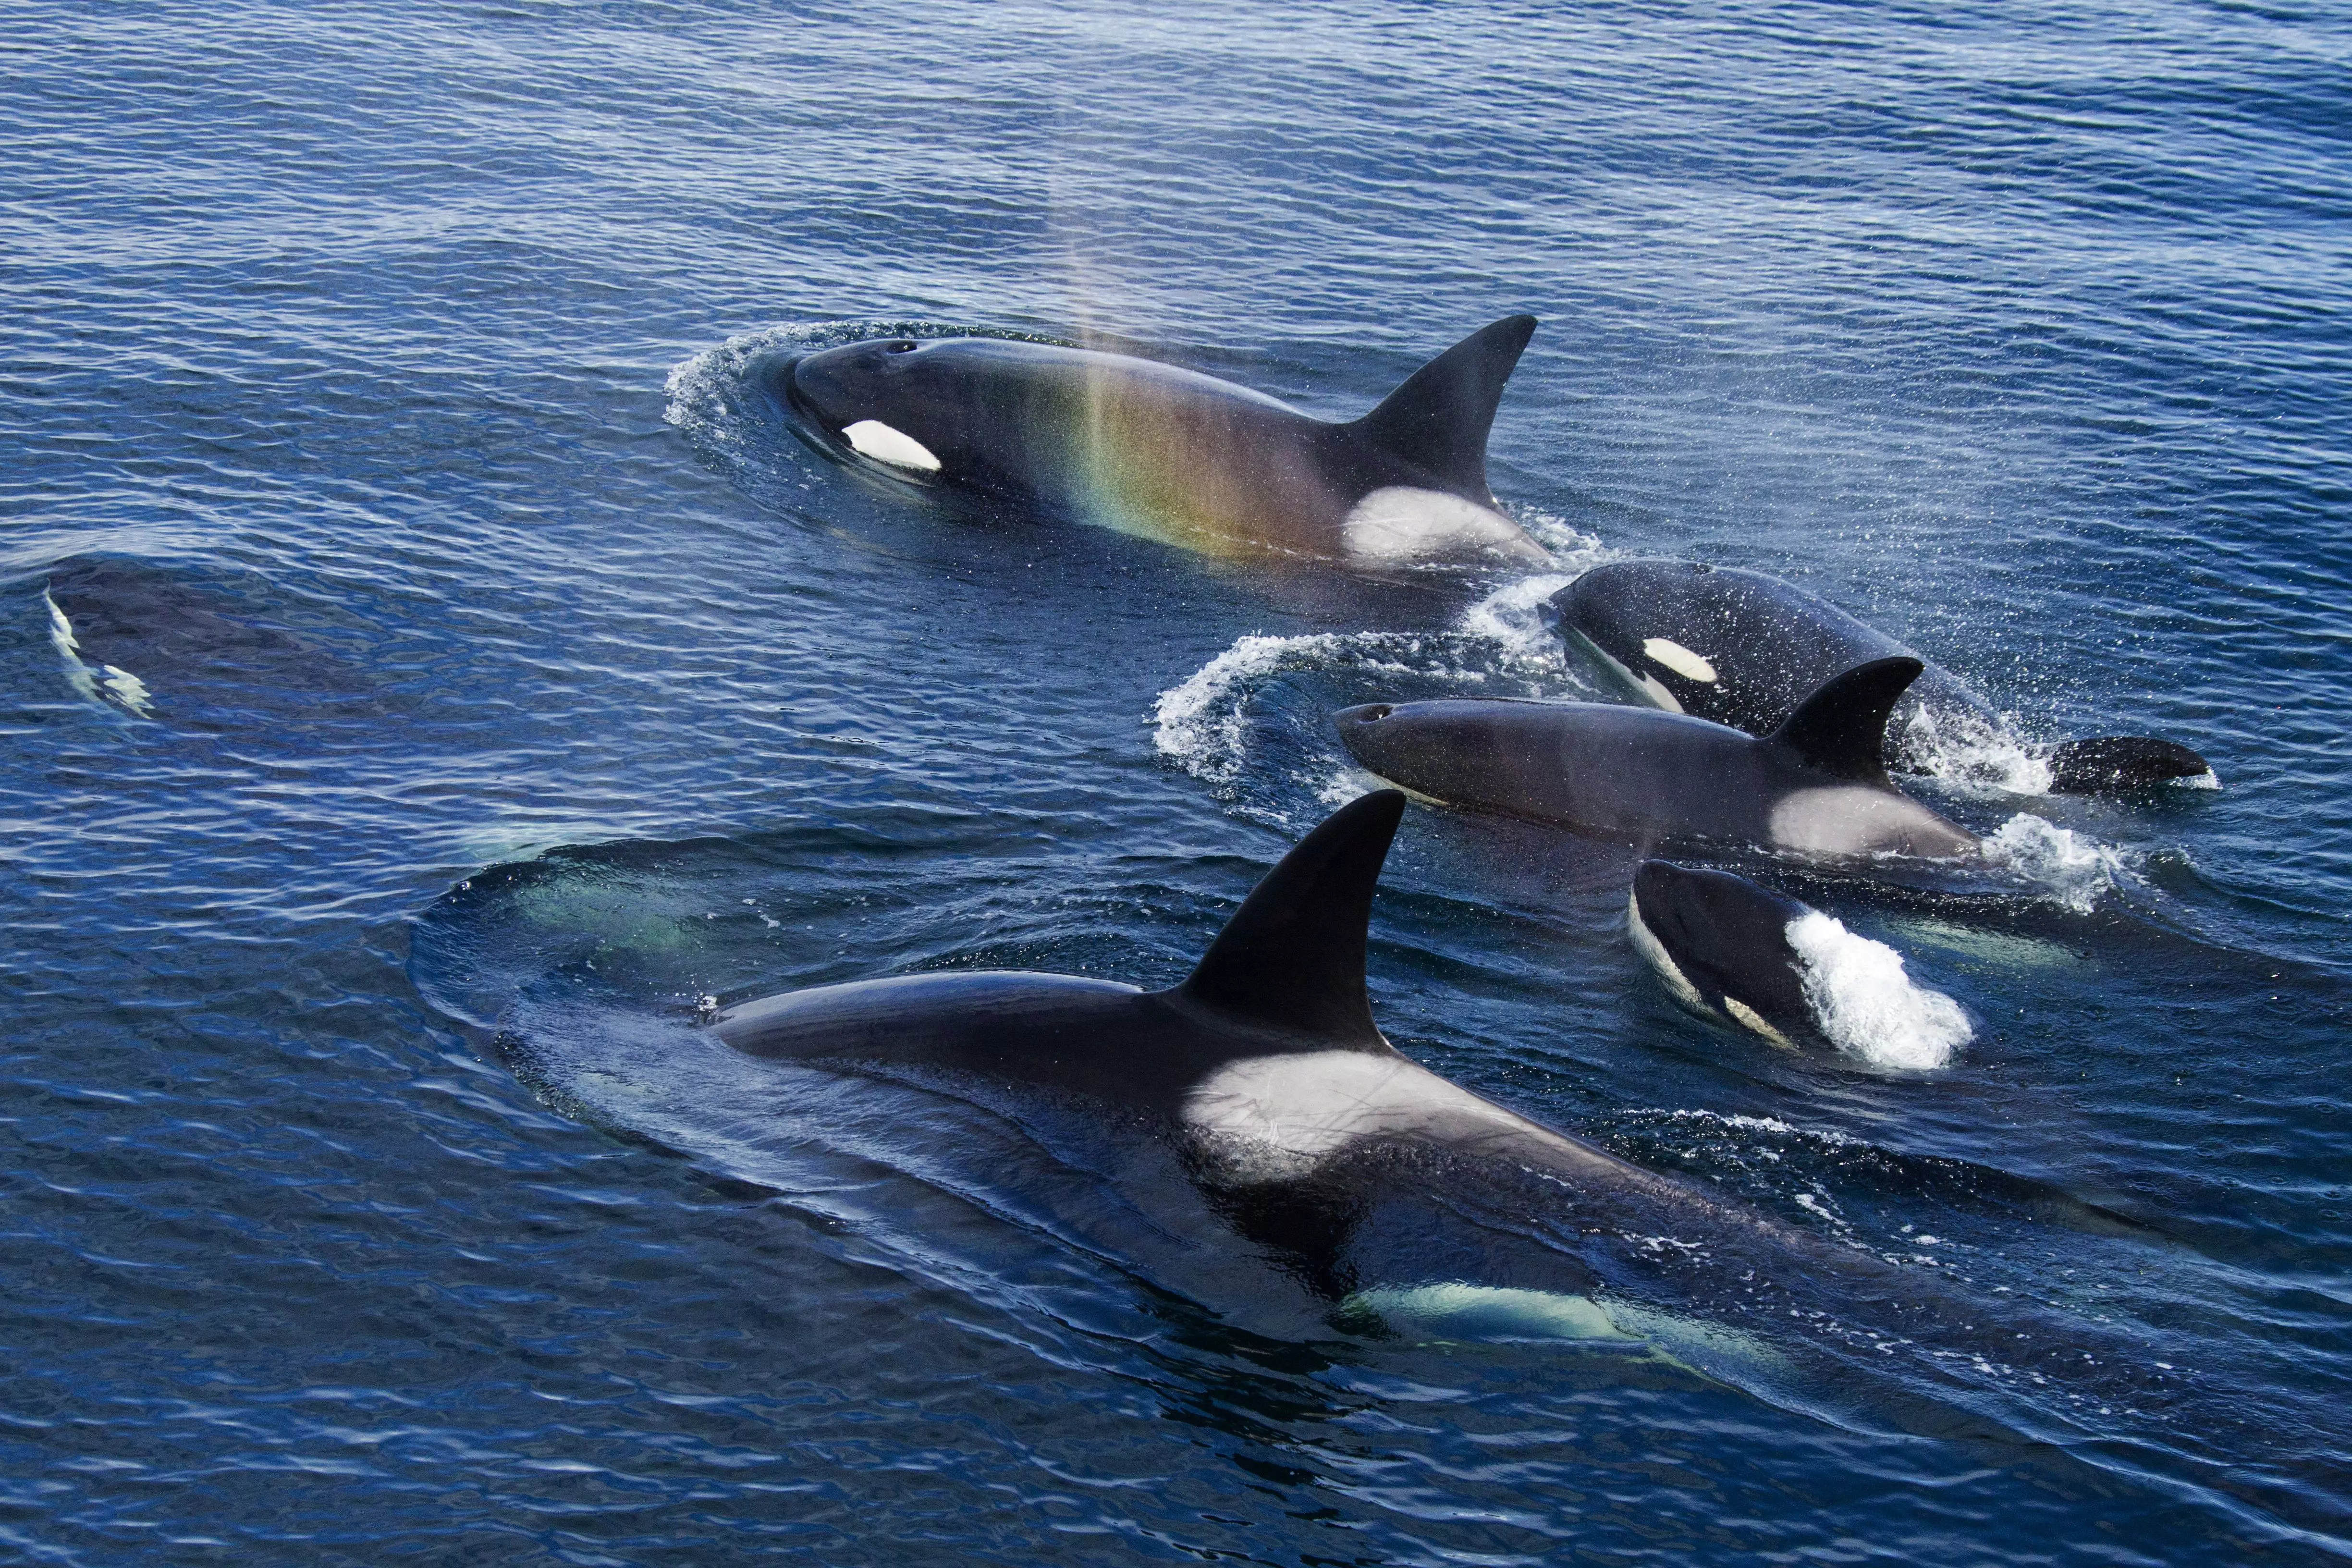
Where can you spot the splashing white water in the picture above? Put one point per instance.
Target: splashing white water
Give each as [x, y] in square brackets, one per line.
[2073, 869]
[1867, 1004]
[1203, 724]
[100, 682]
[1971, 751]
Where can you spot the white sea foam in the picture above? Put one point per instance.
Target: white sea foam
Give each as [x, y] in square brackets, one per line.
[1202, 725]
[100, 682]
[1967, 749]
[1866, 1004]
[2072, 867]
[1512, 617]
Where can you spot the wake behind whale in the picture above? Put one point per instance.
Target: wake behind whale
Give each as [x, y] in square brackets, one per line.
[1207, 1148]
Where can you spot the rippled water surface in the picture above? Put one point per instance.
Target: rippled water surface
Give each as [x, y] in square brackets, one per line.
[432, 669]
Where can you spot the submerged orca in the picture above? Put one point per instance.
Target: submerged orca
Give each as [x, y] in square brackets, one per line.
[1173, 454]
[1741, 647]
[1816, 786]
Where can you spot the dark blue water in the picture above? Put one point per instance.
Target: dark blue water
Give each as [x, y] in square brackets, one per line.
[372, 417]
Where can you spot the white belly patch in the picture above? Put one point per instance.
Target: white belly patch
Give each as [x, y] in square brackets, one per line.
[872, 439]
[1403, 523]
[1266, 1117]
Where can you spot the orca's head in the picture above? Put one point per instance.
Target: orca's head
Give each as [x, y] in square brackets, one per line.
[1615, 605]
[871, 397]
[1393, 740]
[1721, 942]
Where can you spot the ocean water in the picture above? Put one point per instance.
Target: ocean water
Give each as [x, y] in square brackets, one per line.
[432, 671]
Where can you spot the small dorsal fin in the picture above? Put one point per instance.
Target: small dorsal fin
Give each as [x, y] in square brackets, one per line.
[1292, 958]
[1438, 419]
[1841, 728]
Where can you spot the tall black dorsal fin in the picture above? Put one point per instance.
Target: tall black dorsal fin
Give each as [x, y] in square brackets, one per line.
[1438, 419]
[1292, 958]
[1841, 728]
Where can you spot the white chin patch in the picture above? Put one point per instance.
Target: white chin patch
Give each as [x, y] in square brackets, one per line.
[1401, 523]
[1649, 686]
[1653, 953]
[1749, 1018]
[1668, 654]
[1268, 1117]
[872, 439]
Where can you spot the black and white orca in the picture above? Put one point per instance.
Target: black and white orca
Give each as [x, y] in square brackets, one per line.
[1173, 454]
[1816, 786]
[1743, 649]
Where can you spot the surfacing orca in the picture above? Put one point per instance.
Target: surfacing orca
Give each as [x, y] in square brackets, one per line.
[1815, 785]
[1173, 454]
[1742, 954]
[1390, 1192]
[1267, 1060]
[1741, 647]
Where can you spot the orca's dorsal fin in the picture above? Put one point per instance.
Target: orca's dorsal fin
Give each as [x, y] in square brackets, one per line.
[1292, 958]
[1841, 728]
[1438, 419]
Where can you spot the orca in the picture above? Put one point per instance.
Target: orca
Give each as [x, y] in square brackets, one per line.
[1265, 1060]
[1173, 454]
[1741, 647]
[1748, 957]
[1264, 1083]
[1720, 942]
[1817, 786]
[1265, 1069]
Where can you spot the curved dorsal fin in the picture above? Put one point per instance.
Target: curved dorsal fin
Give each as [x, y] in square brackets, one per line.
[1841, 728]
[1292, 958]
[1438, 419]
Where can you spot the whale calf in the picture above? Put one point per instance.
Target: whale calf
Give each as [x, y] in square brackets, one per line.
[1741, 954]
[1742, 648]
[1815, 785]
[1173, 454]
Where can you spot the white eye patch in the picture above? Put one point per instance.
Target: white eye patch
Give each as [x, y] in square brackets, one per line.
[872, 439]
[1670, 654]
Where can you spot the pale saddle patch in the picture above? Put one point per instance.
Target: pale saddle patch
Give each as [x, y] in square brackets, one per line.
[1279, 1115]
[1403, 523]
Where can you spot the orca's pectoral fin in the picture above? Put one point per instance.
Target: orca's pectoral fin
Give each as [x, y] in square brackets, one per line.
[1292, 958]
[1437, 421]
[2120, 765]
[1841, 728]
